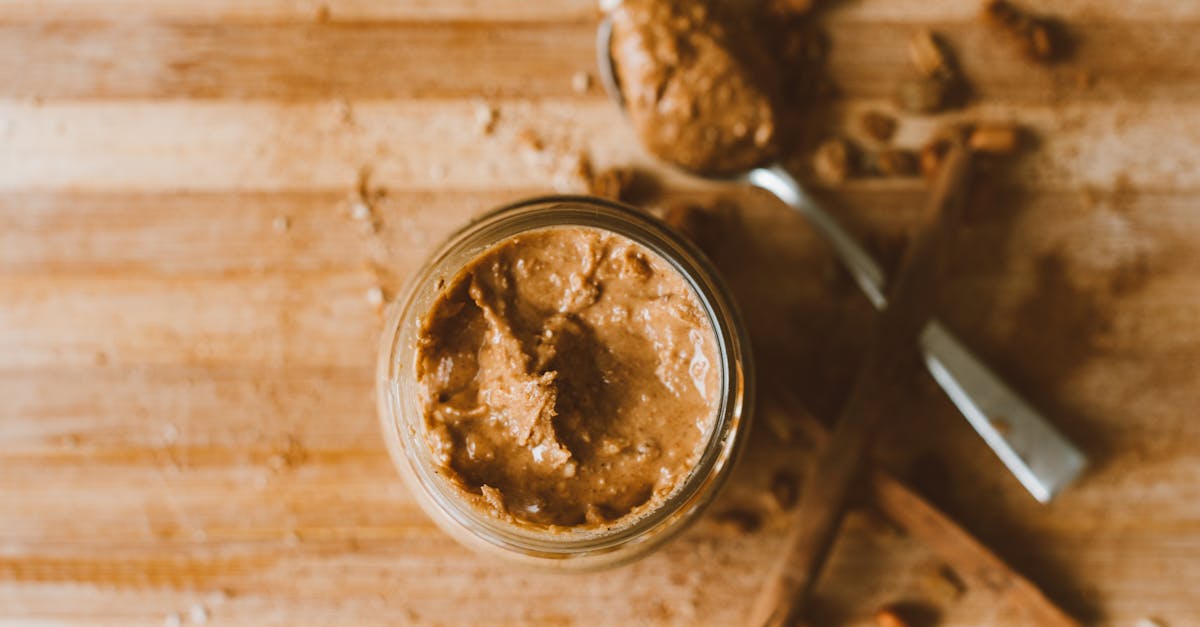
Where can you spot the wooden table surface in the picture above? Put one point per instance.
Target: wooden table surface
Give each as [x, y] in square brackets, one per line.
[187, 426]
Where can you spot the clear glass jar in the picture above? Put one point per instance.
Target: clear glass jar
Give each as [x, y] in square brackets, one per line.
[403, 421]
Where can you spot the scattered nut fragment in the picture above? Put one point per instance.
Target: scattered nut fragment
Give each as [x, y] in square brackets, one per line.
[929, 56]
[703, 225]
[894, 162]
[624, 183]
[581, 82]
[741, 521]
[611, 183]
[879, 126]
[942, 583]
[529, 139]
[375, 296]
[791, 8]
[784, 489]
[931, 157]
[280, 224]
[198, 615]
[1035, 37]
[994, 139]
[831, 161]
[485, 117]
[923, 94]
[887, 617]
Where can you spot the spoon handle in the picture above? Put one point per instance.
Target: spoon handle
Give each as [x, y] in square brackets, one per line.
[1034, 451]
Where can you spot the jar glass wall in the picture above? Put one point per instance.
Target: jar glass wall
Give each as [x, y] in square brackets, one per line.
[402, 415]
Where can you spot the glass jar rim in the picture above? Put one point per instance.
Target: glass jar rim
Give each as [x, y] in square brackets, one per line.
[490, 228]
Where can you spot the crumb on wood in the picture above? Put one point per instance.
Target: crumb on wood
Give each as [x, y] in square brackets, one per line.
[572, 171]
[581, 82]
[345, 111]
[791, 8]
[891, 162]
[739, 521]
[923, 94]
[785, 489]
[705, 225]
[933, 153]
[1038, 39]
[281, 224]
[889, 617]
[529, 139]
[198, 614]
[292, 538]
[628, 184]
[994, 139]
[943, 584]
[485, 117]
[928, 54]
[375, 297]
[878, 126]
[832, 161]
[174, 619]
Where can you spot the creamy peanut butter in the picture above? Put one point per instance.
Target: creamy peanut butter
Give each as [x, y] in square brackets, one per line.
[568, 378]
[699, 91]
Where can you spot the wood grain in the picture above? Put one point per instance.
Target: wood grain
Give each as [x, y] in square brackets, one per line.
[186, 391]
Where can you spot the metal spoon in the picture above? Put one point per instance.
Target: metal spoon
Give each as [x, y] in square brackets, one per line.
[1033, 450]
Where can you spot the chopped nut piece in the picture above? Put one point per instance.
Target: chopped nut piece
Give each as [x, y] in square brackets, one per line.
[280, 224]
[878, 126]
[624, 183]
[922, 95]
[895, 162]
[529, 139]
[742, 521]
[375, 296]
[581, 82]
[791, 7]
[943, 583]
[611, 183]
[995, 139]
[485, 117]
[1036, 37]
[198, 615]
[928, 55]
[702, 225]
[931, 157]
[887, 617]
[784, 489]
[831, 161]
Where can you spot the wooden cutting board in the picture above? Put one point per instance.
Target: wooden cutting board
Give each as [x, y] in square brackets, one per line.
[187, 339]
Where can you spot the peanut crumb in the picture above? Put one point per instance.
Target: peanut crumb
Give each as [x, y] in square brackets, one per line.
[1037, 38]
[581, 82]
[928, 55]
[887, 617]
[784, 489]
[198, 614]
[485, 117]
[831, 161]
[375, 296]
[878, 126]
[740, 521]
[281, 224]
[994, 139]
